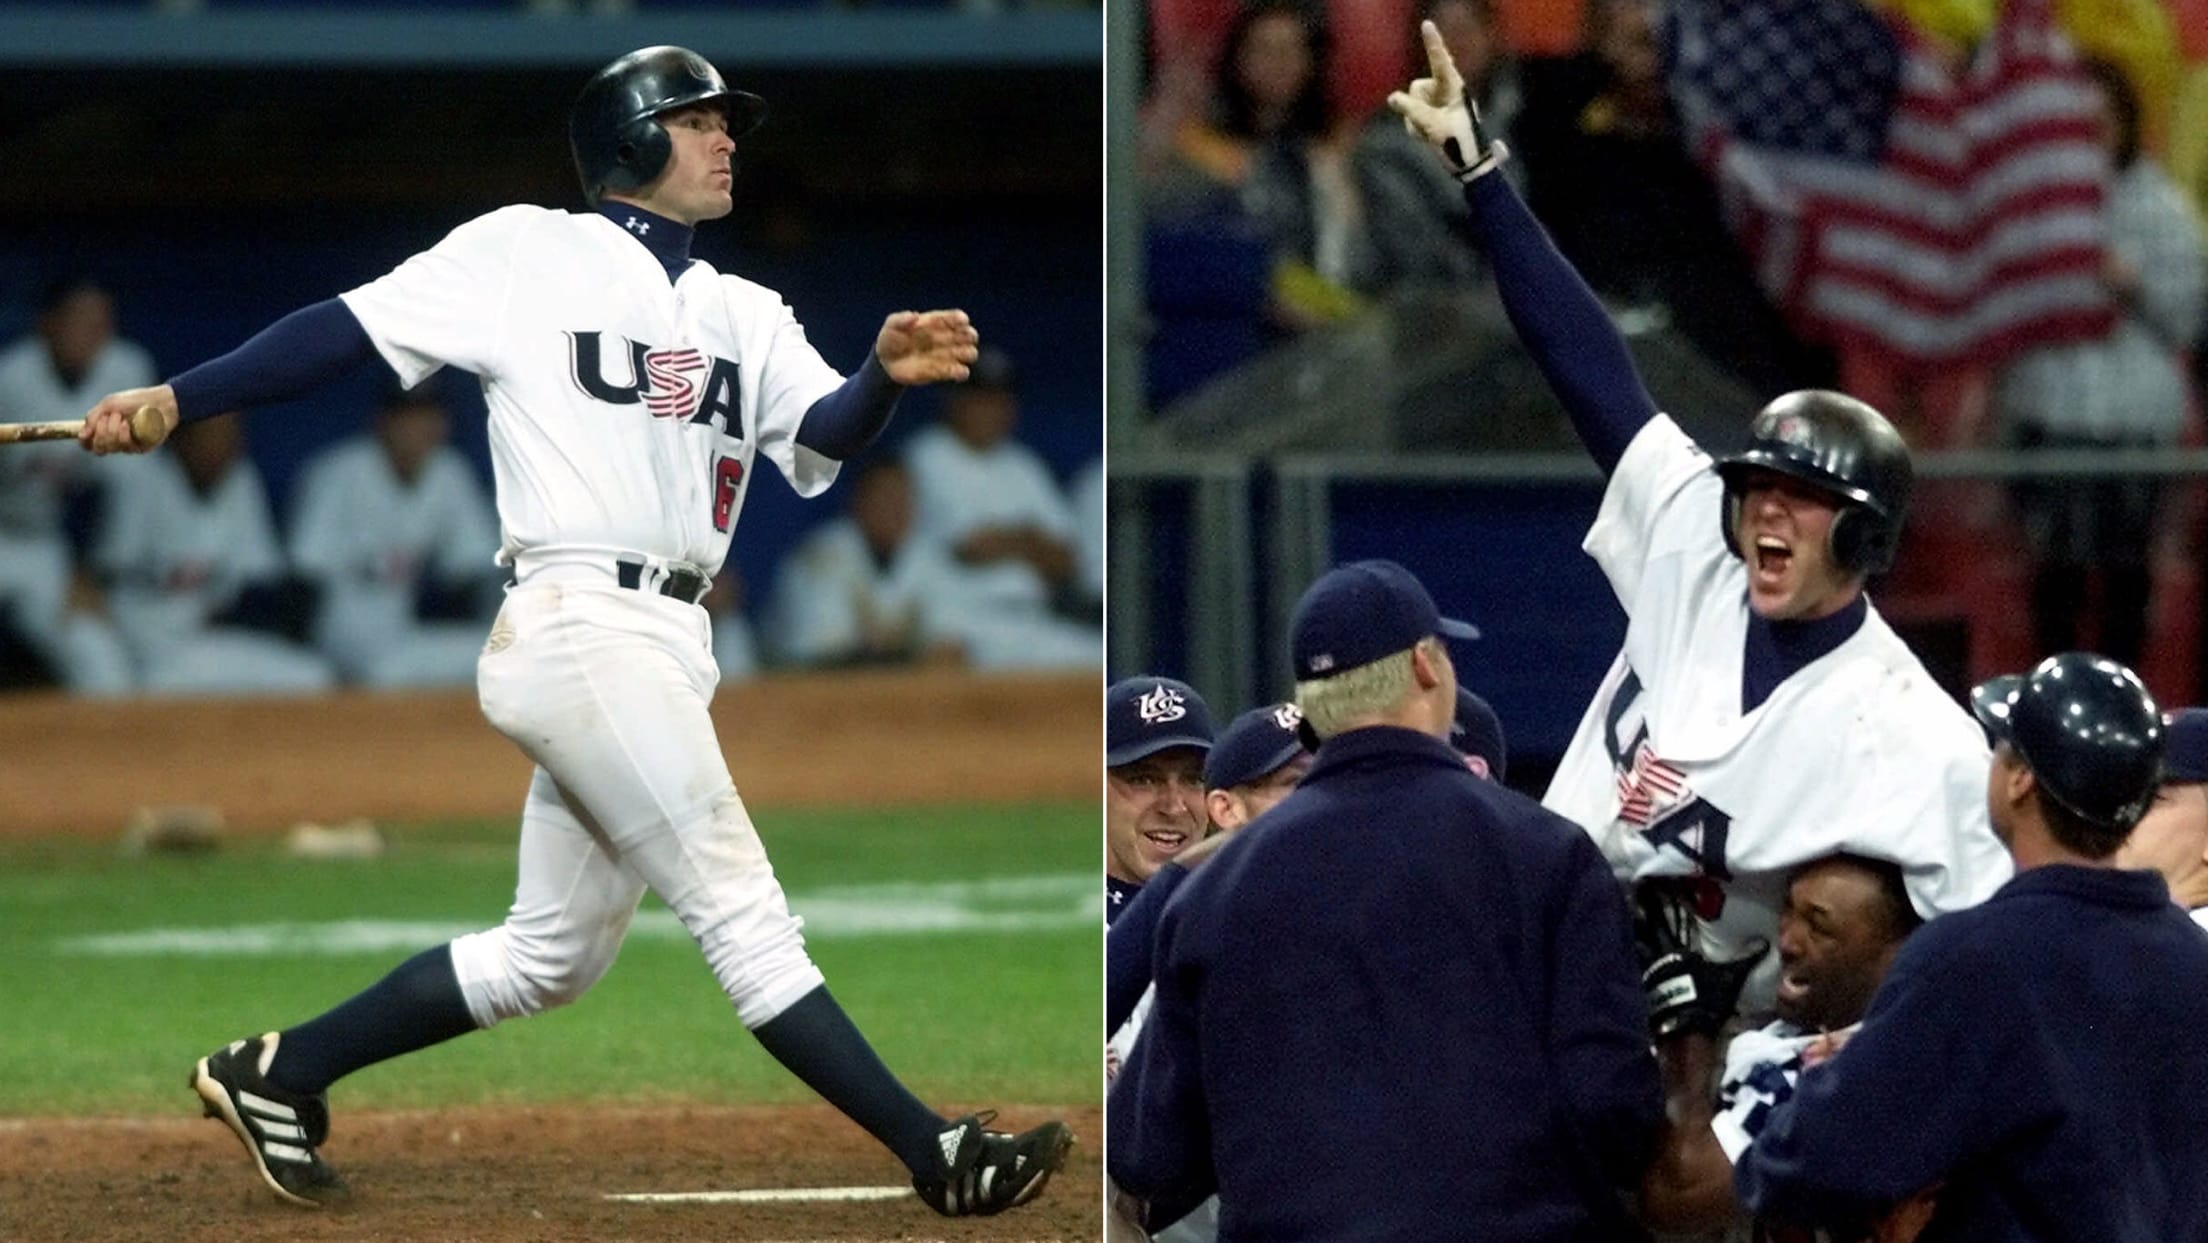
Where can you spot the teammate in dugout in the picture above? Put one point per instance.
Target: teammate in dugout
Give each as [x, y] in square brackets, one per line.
[1402, 977]
[2039, 1063]
[631, 389]
[1762, 714]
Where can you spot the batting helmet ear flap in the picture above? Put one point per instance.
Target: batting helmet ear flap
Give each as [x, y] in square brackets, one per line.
[640, 152]
[1860, 542]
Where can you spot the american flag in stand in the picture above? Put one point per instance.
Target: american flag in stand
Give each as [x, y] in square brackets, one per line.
[1892, 203]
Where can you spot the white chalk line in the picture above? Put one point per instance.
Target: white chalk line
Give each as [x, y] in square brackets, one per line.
[1049, 902]
[764, 1195]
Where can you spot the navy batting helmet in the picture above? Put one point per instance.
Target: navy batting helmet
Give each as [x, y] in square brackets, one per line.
[1838, 445]
[617, 143]
[2088, 730]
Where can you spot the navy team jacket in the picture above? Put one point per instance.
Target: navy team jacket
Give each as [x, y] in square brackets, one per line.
[1404, 1005]
[2044, 1055]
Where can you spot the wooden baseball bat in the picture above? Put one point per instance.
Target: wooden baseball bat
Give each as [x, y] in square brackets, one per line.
[147, 427]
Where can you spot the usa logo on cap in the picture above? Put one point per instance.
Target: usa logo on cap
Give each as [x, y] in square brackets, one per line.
[1160, 705]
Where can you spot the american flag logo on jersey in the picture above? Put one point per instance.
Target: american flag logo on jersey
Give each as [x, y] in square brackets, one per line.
[1654, 798]
[671, 389]
[1647, 786]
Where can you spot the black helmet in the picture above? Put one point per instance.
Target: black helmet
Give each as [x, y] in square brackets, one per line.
[617, 144]
[1839, 445]
[2088, 730]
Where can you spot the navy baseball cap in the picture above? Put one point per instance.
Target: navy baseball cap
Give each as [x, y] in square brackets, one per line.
[1256, 744]
[1145, 715]
[1357, 613]
[1477, 731]
[2185, 751]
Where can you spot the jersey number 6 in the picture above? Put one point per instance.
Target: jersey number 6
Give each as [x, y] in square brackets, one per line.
[727, 473]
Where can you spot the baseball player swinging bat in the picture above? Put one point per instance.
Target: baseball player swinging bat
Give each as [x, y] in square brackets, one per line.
[147, 427]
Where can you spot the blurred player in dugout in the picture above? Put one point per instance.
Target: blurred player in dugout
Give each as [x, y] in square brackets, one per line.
[69, 361]
[392, 525]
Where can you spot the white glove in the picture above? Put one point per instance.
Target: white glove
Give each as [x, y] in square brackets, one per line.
[1440, 110]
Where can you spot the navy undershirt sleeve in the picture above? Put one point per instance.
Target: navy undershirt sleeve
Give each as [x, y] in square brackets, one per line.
[292, 356]
[844, 422]
[1562, 323]
[1127, 947]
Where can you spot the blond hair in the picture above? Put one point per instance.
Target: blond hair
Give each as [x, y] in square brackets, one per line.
[1356, 696]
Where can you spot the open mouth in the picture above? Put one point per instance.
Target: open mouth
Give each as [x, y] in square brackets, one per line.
[1166, 841]
[1773, 556]
[1792, 988]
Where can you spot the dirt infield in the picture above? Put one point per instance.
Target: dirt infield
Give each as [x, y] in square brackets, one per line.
[842, 740]
[496, 1174]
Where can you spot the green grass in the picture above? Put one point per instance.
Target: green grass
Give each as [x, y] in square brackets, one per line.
[970, 1016]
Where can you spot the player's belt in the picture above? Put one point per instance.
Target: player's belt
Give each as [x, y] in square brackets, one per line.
[685, 585]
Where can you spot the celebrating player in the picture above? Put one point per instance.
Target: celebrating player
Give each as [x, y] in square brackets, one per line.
[1845, 919]
[2043, 1058]
[631, 388]
[1762, 714]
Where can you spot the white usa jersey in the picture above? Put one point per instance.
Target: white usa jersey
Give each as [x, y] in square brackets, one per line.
[1762, 1067]
[624, 416]
[1859, 751]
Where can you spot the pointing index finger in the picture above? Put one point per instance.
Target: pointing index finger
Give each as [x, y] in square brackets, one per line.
[1447, 80]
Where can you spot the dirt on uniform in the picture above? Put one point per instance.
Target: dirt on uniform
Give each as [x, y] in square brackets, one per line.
[495, 1174]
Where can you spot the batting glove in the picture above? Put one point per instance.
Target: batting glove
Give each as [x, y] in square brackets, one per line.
[1690, 995]
[1440, 110]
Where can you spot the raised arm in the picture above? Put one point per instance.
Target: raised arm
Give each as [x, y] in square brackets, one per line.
[1558, 317]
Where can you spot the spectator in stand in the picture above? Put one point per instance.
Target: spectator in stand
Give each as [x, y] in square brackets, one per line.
[2127, 389]
[1420, 228]
[1602, 119]
[1269, 151]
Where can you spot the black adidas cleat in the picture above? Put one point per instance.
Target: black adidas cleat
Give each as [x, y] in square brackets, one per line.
[987, 1172]
[280, 1129]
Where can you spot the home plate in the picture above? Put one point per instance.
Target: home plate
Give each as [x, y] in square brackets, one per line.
[765, 1195]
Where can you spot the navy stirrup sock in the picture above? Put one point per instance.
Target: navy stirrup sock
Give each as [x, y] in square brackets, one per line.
[419, 1004]
[817, 1042]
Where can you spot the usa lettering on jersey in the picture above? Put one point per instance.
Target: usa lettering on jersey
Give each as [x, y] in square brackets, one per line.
[672, 383]
[1653, 796]
[625, 409]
